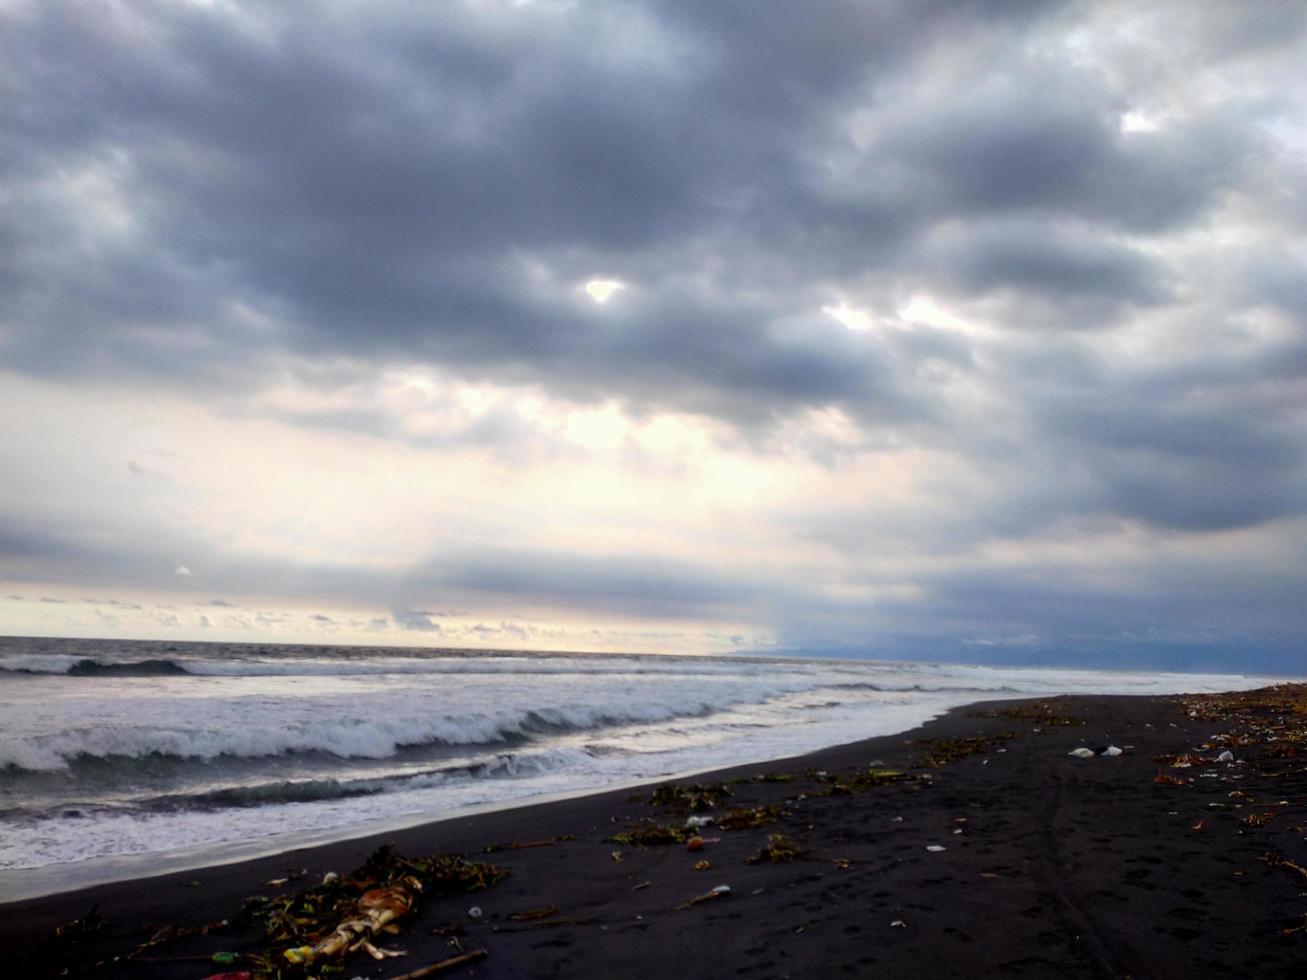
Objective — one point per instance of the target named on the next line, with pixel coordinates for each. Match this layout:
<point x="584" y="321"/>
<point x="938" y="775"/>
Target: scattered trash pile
<point x="1040" y="715"/>
<point x="1259" y="740"/>
<point x="310" y="932"/>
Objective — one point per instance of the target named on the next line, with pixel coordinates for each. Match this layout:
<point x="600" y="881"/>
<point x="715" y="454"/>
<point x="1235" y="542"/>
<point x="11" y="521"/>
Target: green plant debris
<point x="310" y="929"/>
<point x="766" y="777"/>
<point x="778" y="850"/>
<point x="1040" y="715"/>
<point x="653" y="835"/>
<point x="695" y="797"/>
<point x="744" y="818"/>
<point x="940" y="752"/>
<point x="861" y="782"/>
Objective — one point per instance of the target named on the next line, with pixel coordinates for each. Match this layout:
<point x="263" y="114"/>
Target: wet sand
<point x="1051" y="866"/>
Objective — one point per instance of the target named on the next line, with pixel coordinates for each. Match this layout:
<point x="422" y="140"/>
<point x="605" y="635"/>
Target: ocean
<point x="124" y="758"/>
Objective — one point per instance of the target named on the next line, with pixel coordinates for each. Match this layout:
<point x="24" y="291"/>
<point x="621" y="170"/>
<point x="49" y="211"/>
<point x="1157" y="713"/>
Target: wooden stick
<point x="452" y="963"/>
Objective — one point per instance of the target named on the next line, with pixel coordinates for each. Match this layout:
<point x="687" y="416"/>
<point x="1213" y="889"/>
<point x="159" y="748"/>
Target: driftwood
<point x="471" y="956"/>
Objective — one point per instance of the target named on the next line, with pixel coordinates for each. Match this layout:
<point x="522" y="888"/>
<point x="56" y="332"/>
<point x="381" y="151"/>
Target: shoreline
<point x="212" y="856"/>
<point x="1049" y="864"/>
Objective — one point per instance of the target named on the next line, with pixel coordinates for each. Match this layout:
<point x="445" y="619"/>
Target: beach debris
<point x="652" y="835"/>
<point x="694" y="823"/>
<point x="1184" y="760"/>
<point x="696" y="797"/>
<point x="767" y="777"/>
<point x="524" y="845"/>
<point x="615" y="855"/>
<point x="941" y="752"/>
<point x="898" y="924"/>
<point x="1111" y="751"/>
<point x="380" y="954"/>
<point x="1197" y="827"/>
<point x="328" y="921"/>
<point x="475" y="912"/>
<point x="276" y="882"/>
<point x="1300" y="927"/>
<point x="704" y="865"/>
<point x="719" y="891"/>
<point x="1226" y="756"/>
<point x="694" y="843"/>
<point x="936" y="848"/>
<point x="453" y="963"/>
<point x="745" y="818"/>
<point x="91" y="922"/>
<point x="330" y="878"/>
<point x="1275" y="860"/>
<point x="641" y="886"/>
<point x="1043" y="715"/>
<point x="1082" y="753"/>
<point x="778" y="850"/>
<point x="871" y="778"/>
<point x="842" y="863"/>
<point x="530" y="915"/>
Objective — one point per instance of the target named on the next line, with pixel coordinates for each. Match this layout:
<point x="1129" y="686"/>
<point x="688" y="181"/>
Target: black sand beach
<point x="1051" y="865"/>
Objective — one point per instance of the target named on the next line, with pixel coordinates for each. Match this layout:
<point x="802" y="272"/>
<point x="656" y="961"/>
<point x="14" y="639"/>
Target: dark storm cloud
<point x="364" y="184"/>
<point x="214" y="200"/>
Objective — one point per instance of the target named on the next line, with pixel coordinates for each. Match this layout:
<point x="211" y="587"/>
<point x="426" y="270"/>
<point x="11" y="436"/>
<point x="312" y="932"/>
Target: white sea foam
<point x="165" y="762"/>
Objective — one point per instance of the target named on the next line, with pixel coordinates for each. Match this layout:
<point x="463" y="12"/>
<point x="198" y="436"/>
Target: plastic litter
<point x="719" y="891"/>
<point x="695" y="822"/>
<point x="935" y="848"/>
<point x="1226" y="756"/>
<point x="694" y="844"/>
<point x="1082" y="753"/>
<point x="330" y="878"/>
<point x="474" y="912"/>
<point x="1111" y="751"/>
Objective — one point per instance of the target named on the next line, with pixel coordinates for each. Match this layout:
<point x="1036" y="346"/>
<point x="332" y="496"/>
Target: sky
<point x="965" y="331"/>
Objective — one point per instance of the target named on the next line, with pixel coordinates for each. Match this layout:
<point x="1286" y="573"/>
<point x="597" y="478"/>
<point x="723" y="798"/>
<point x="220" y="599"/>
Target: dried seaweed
<point x="695" y="797"/>
<point x="653" y="835"/>
<point x="1165" y="779"/>
<point x="1040" y="715"/>
<point x="744" y="818"/>
<point x="778" y="850"/>
<point x="941" y="752"/>
<point x="766" y="777"/>
<point x="861" y="782"/>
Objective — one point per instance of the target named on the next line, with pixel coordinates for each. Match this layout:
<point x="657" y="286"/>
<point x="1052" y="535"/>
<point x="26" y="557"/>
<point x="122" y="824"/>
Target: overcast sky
<point x="937" y="330"/>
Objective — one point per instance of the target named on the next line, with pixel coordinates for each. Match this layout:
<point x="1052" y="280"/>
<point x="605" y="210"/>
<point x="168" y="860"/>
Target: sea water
<point x="121" y="758"/>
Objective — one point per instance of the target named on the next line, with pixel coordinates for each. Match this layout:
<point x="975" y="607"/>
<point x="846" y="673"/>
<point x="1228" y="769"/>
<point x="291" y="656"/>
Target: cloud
<point x="343" y="273"/>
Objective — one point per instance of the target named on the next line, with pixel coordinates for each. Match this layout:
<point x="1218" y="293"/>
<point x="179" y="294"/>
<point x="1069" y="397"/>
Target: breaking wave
<point x="353" y="738"/>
